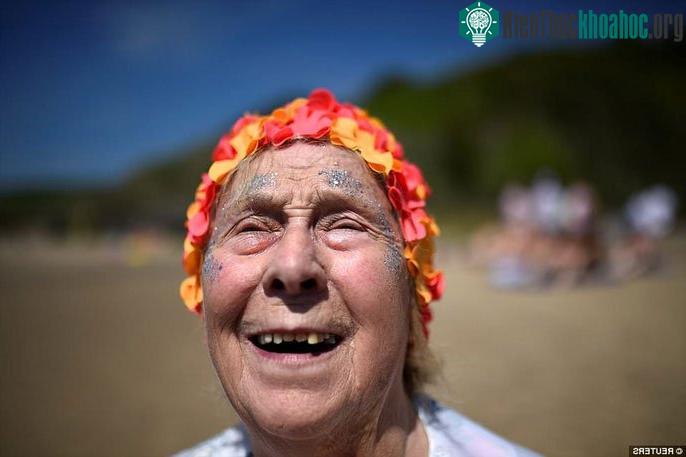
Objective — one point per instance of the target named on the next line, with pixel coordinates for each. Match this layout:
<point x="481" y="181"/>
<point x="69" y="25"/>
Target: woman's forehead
<point x="307" y="164"/>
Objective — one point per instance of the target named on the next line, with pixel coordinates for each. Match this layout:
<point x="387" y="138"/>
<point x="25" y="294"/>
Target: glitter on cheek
<point x="393" y="259"/>
<point x="211" y="268"/>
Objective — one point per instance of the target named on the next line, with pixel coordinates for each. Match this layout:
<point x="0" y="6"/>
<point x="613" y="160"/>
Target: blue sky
<point x="92" y="90"/>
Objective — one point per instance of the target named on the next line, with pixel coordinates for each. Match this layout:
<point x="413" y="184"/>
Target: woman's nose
<point x="294" y="269"/>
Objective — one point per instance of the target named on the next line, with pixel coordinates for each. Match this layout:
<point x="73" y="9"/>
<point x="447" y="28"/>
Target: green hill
<point x="612" y="116"/>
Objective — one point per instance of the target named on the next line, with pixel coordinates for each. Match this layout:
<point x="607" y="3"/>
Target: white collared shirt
<point x="450" y="435"/>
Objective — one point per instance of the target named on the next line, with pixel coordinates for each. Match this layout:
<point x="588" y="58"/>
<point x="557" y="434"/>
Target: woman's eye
<point x="248" y="227"/>
<point x="345" y="225"/>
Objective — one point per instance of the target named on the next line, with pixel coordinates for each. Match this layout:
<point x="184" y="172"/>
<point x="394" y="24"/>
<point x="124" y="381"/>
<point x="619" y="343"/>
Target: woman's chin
<point x="297" y="414"/>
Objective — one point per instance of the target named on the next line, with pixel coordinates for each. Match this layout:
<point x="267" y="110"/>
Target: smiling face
<point x="306" y="293"/>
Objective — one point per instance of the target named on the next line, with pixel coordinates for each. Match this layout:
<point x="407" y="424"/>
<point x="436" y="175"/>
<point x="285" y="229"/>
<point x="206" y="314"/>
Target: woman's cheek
<point x="344" y="239"/>
<point x="229" y="280"/>
<point x="360" y="276"/>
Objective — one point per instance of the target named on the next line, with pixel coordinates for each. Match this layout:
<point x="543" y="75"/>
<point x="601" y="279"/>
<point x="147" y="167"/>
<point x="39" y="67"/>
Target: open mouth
<point x="296" y="343"/>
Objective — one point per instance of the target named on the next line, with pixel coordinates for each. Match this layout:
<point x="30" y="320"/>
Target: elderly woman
<point x="309" y="255"/>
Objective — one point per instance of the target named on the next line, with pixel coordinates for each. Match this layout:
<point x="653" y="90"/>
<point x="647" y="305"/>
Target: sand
<point x="99" y="357"/>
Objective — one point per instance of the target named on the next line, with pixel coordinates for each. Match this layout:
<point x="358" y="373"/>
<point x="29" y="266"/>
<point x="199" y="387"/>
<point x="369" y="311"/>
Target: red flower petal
<point x="413" y="176"/>
<point x="277" y="134"/>
<point x="427" y="316"/>
<point x="436" y="286"/>
<point x="322" y="99"/>
<point x="365" y="125"/>
<point x="223" y="150"/>
<point x="345" y="110"/>
<point x="396" y="199"/>
<point x="380" y="139"/>
<point x="310" y="123"/>
<point x="411" y="225"/>
<point x="398" y="152"/>
<point x="198" y="226"/>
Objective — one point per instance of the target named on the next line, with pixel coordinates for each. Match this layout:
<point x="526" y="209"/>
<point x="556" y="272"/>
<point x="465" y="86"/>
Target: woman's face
<point x="305" y="246"/>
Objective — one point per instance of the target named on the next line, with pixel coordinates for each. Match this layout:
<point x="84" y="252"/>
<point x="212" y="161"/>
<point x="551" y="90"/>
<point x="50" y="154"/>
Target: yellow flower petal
<point x="431" y="226"/>
<point x="376" y="122"/>
<point x="187" y="246"/>
<point x="221" y="169"/>
<point x="423" y="293"/>
<point x="359" y="112"/>
<point x="245" y="142"/>
<point x="365" y="141"/>
<point x="293" y="106"/>
<point x="421" y="191"/>
<point x="412" y="264"/>
<point x="192" y="210"/>
<point x="343" y="132"/>
<point x="254" y="129"/>
<point x="379" y="161"/>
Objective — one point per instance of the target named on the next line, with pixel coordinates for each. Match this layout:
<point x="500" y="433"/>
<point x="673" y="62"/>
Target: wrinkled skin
<point x="304" y="236"/>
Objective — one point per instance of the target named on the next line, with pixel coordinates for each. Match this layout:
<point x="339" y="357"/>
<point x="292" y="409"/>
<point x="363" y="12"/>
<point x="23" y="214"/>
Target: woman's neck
<point x="391" y="430"/>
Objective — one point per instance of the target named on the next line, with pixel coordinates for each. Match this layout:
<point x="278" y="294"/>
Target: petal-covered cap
<point x="321" y="116"/>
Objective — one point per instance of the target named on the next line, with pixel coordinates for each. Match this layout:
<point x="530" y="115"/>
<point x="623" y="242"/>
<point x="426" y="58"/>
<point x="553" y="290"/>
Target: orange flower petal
<point x="191" y="257"/>
<point x="191" y="292"/>
<point x="397" y="165"/>
<point x="281" y="115"/>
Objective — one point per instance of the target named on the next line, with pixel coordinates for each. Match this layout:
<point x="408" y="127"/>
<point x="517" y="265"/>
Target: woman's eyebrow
<point x="332" y="200"/>
<point x="348" y="188"/>
<point x="261" y="201"/>
<point x="342" y="192"/>
<point x="256" y="184"/>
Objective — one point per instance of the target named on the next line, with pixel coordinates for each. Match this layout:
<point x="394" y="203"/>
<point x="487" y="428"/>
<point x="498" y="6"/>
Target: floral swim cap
<point x="321" y="116"/>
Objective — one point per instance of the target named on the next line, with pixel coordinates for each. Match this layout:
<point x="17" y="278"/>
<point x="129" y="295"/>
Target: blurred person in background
<point x="648" y="218"/>
<point x="547" y="236"/>
<point x="309" y="259"/>
<point x="574" y="249"/>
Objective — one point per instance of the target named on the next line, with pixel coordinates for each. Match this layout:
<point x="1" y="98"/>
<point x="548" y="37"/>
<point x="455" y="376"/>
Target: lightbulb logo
<point x="479" y="23"/>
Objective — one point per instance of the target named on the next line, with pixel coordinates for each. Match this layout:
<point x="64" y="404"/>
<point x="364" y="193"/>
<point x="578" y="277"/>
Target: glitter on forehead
<point x="342" y="179"/>
<point x="261" y="181"/>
